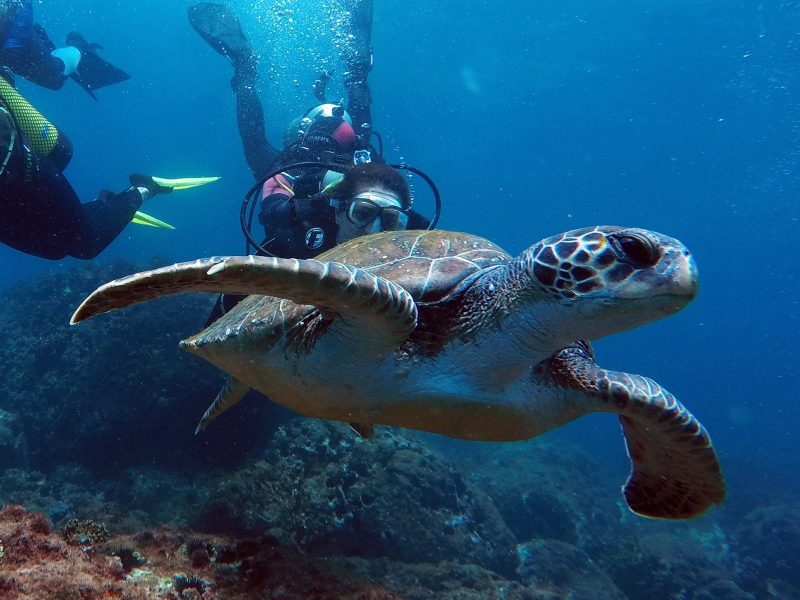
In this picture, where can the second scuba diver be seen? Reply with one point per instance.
(328, 184)
(303, 209)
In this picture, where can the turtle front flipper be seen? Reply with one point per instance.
(367, 302)
(676, 473)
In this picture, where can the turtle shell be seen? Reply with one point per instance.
(430, 265)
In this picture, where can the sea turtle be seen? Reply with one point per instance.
(447, 333)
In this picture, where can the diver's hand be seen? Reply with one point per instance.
(321, 84)
(303, 206)
(309, 208)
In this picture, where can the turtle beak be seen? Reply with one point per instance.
(649, 295)
(677, 272)
(681, 270)
(694, 284)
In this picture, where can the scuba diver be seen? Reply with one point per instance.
(328, 184)
(27, 51)
(300, 217)
(42, 214)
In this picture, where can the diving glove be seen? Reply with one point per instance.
(92, 72)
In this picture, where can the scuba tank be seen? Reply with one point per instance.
(40, 133)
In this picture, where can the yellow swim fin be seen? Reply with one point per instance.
(141, 218)
(161, 185)
(184, 183)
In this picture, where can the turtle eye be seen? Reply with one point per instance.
(636, 250)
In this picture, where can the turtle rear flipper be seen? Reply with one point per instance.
(676, 474)
(231, 393)
(369, 306)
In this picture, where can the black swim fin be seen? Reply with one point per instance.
(93, 72)
(220, 28)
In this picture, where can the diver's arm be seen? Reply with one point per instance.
(258, 152)
(357, 59)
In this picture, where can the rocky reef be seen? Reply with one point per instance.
(38, 563)
(102, 393)
(109, 494)
(351, 495)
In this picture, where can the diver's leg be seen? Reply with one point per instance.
(39, 206)
(102, 220)
(356, 55)
(220, 28)
(258, 152)
(43, 215)
(76, 229)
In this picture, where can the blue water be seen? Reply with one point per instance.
(533, 118)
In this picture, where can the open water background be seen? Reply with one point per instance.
(533, 118)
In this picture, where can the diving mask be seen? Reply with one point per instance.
(380, 209)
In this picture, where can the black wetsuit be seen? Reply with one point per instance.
(42, 215)
(26, 47)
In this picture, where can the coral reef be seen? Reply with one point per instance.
(389, 497)
(767, 545)
(159, 563)
(13, 446)
(37, 564)
(567, 570)
(536, 487)
(85, 532)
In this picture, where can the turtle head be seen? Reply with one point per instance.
(610, 279)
